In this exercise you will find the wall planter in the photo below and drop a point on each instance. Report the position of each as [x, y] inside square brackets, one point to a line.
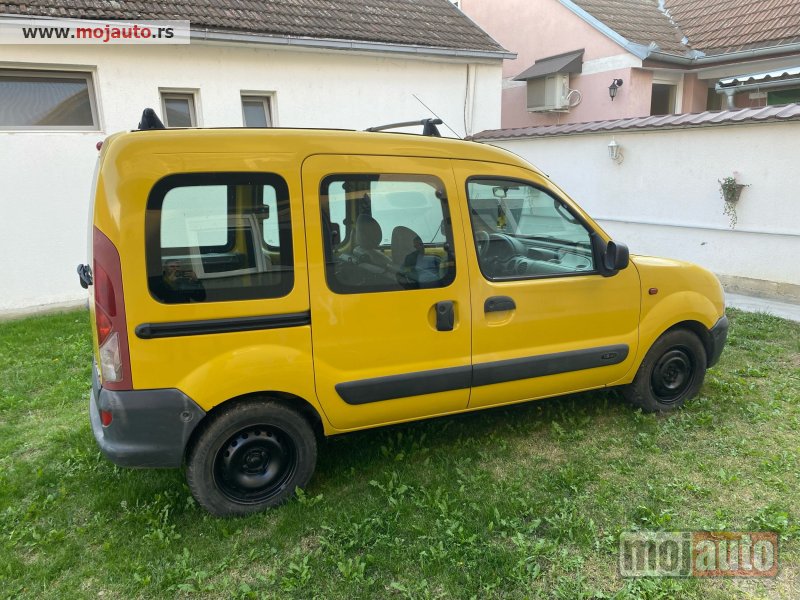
[730, 190]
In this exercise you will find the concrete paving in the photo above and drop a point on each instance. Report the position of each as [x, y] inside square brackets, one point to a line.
[787, 310]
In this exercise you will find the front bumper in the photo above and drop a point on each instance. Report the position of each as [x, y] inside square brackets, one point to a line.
[149, 428]
[718, 336]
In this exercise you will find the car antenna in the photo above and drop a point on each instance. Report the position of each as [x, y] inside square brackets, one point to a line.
[441, 121]
[150, 121]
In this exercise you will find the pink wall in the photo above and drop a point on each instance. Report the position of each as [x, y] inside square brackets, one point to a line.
[633, 100]
[695, 94]
[536, 30]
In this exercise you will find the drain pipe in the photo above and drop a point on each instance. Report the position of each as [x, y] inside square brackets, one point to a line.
[730, 104]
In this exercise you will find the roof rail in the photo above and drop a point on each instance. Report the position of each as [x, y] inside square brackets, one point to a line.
[150, 121]
[428, 126]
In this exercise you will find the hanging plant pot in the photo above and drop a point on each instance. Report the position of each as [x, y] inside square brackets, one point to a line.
[730, 190]
[732, 193]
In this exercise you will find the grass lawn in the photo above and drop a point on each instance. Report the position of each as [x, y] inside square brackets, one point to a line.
[523, 502]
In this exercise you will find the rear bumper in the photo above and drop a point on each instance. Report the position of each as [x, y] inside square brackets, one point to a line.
[719, 334]
[149, 428]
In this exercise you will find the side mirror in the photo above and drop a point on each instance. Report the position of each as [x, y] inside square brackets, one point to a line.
[615, 257]
[612, 257]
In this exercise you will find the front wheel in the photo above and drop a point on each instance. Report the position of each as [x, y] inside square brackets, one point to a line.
[250, 457]
[672, 372]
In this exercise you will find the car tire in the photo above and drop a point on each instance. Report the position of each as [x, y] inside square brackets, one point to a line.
[250, 457]
[672, 372]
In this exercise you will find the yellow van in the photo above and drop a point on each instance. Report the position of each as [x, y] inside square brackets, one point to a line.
[253, 290]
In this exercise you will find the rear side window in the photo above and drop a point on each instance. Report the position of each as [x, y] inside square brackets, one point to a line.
[215, 237]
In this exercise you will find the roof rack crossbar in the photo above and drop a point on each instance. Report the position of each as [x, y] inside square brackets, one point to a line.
[428, 126]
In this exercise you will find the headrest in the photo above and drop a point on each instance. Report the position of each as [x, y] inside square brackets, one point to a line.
[402, 243]
[368, 232]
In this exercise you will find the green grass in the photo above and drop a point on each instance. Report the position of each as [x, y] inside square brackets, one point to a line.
[524, 502]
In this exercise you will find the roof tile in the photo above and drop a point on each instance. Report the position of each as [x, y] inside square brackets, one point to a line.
[638, 21]
[427, 23]
[711, 26]
[789, 112]
[722, 26]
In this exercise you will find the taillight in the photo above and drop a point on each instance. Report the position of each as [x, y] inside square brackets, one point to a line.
[109, 310]
[106, 417]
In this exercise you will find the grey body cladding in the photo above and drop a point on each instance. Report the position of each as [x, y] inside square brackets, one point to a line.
[458, 378]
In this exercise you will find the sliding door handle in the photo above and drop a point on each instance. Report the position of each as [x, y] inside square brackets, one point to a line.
[445, 316]
[498, 304]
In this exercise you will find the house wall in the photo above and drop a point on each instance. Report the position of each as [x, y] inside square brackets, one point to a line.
[695, 94]
[664, 198]
[545, 28]
[45, 177]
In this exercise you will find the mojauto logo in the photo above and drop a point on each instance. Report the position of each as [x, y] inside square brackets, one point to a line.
[698, 554]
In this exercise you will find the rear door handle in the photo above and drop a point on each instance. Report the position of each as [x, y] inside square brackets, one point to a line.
[498, 304]
[445, 315]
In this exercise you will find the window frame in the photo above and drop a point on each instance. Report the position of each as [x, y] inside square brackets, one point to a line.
[577, 216]
[174, 94]
[267, 100]
[88, 75]
[154, 252]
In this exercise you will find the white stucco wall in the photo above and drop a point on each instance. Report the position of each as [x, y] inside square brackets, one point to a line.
[45, 177]
[664, 198]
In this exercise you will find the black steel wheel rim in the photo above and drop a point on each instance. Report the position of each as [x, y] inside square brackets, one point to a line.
[672, 375]
[255, 464]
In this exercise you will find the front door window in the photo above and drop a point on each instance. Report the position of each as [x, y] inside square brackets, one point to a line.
[522, 232]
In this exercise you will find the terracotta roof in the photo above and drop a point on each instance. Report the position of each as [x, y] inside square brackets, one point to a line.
[712, 27]
[638, 21]
[788, 112]
[427, 23]
[721, 26]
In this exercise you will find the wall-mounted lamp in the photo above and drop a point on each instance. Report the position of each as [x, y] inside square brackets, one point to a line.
[615, 151]
[612, 89]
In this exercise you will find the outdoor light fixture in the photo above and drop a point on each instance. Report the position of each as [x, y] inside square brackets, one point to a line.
[612, 89]
[614, 151]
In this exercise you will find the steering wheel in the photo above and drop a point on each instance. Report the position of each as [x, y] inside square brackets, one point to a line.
[481, 242]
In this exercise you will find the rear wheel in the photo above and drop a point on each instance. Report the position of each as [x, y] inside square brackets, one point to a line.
[672, 372]
[250, 457]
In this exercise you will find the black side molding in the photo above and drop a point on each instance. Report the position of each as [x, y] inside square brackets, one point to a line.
[147, 331]
[419, 383]
[547, 364]
[402, 386]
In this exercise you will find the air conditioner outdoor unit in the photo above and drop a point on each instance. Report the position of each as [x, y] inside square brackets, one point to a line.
[548, 93]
